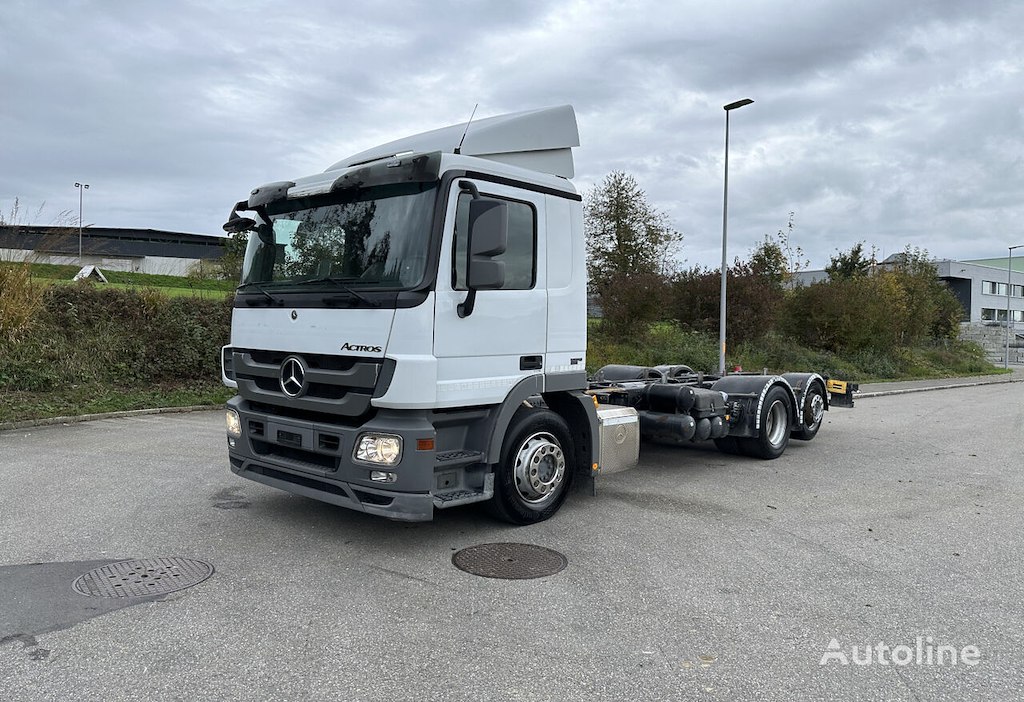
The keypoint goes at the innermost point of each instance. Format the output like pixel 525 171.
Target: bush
pixel 20 300
pixel 631 302
pixel 83 333
pixel 659 344
pixel 754 301
pixel 903 307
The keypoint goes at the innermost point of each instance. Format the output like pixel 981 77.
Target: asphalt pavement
pixel 695 576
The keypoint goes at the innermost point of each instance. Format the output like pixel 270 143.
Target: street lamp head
pixel 737 104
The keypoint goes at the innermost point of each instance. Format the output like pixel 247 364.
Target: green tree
pixel 768 260
pixel 631 252
pixel 901 305
pixel 755 293
pixel 781 246
pixel 234 255
pixel 932 311
pixel 851 264
pixel 625 233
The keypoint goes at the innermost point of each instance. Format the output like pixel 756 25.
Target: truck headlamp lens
pixel 383 449
pixel 234 423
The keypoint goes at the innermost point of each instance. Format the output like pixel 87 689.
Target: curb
pixel 49 421
pixel 906 391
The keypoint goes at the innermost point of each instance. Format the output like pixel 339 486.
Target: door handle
pixel 531 362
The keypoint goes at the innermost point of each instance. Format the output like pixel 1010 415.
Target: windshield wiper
pixel 258 288
pixel 343 284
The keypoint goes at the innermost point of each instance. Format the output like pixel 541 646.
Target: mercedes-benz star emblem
pixel 293 376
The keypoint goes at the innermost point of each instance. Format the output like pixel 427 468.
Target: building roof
pixel 1018 262
pixel 112 241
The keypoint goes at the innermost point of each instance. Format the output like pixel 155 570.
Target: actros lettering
pixel 359 347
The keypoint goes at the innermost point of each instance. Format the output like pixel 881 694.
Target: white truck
pixel 410 334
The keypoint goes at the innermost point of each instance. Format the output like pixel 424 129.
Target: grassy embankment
pixel 152 341
pixel 666 343
pixel 138 342
pixel 170 285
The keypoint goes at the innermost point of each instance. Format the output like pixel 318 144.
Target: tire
pixel 727 444
pixel 536 469
pixel 776 420
pixel 814 413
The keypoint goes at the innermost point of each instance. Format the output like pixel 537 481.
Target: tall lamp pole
pixel 725 221
pixel 82 187
pixel 1009 289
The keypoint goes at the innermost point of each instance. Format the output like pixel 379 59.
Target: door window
pixel 520 256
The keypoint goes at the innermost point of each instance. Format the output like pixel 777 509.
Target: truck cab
pixel 410 329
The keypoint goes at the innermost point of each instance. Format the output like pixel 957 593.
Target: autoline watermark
pixel 924 652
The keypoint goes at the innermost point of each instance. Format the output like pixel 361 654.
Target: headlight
pixel 234 423
pixel 382 449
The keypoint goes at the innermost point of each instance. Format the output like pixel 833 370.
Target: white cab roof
pixel 539 140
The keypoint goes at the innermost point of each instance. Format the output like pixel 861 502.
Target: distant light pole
pixel 725 220
pixel 82 187
pixel 1009 289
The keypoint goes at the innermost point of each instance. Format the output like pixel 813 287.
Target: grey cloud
pixel 888 122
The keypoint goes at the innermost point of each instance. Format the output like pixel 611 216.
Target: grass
pixel 97 398
pixel 172 285
pixel 203 292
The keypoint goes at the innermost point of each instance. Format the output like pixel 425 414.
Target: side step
pixel 454 459
pixel 462 496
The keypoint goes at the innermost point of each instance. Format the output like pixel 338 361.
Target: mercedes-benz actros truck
pixel 410 334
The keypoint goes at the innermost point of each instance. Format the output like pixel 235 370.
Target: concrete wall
pixel 160 265
pixel 992 338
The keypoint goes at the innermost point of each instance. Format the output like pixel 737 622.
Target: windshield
pixel 363 238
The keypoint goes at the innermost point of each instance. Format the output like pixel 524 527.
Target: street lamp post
pixel 1009 289
pixel 725 220
pixel 82 187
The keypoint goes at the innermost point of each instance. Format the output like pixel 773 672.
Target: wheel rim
pixel 815 411
pixel 539 468
pixel 776 424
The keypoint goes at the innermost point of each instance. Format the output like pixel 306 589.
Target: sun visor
pixel 409 168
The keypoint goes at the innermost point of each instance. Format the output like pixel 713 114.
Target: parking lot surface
pixel 694 576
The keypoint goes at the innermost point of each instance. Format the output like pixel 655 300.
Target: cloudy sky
pixel 892 122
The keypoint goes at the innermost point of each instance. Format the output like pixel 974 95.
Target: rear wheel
pixel 814 413
pixel 536 468
pixel 776 420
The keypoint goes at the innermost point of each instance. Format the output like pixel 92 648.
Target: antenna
pixel 458 149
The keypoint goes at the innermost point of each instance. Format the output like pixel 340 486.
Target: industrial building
pixel 110 248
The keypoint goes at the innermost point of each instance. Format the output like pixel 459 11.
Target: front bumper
pixel 314 459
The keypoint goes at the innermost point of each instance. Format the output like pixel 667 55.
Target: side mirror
pixel 237 225
pixel 488 237
pixel 488 227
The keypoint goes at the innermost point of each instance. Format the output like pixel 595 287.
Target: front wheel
pixel 773 438
pixel 536 469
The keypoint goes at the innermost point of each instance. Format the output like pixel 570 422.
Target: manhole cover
pixel 142 576
pixel 509 561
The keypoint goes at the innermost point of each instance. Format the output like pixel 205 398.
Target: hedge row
pixel 84 333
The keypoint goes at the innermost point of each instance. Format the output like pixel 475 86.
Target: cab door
pixel 482 356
